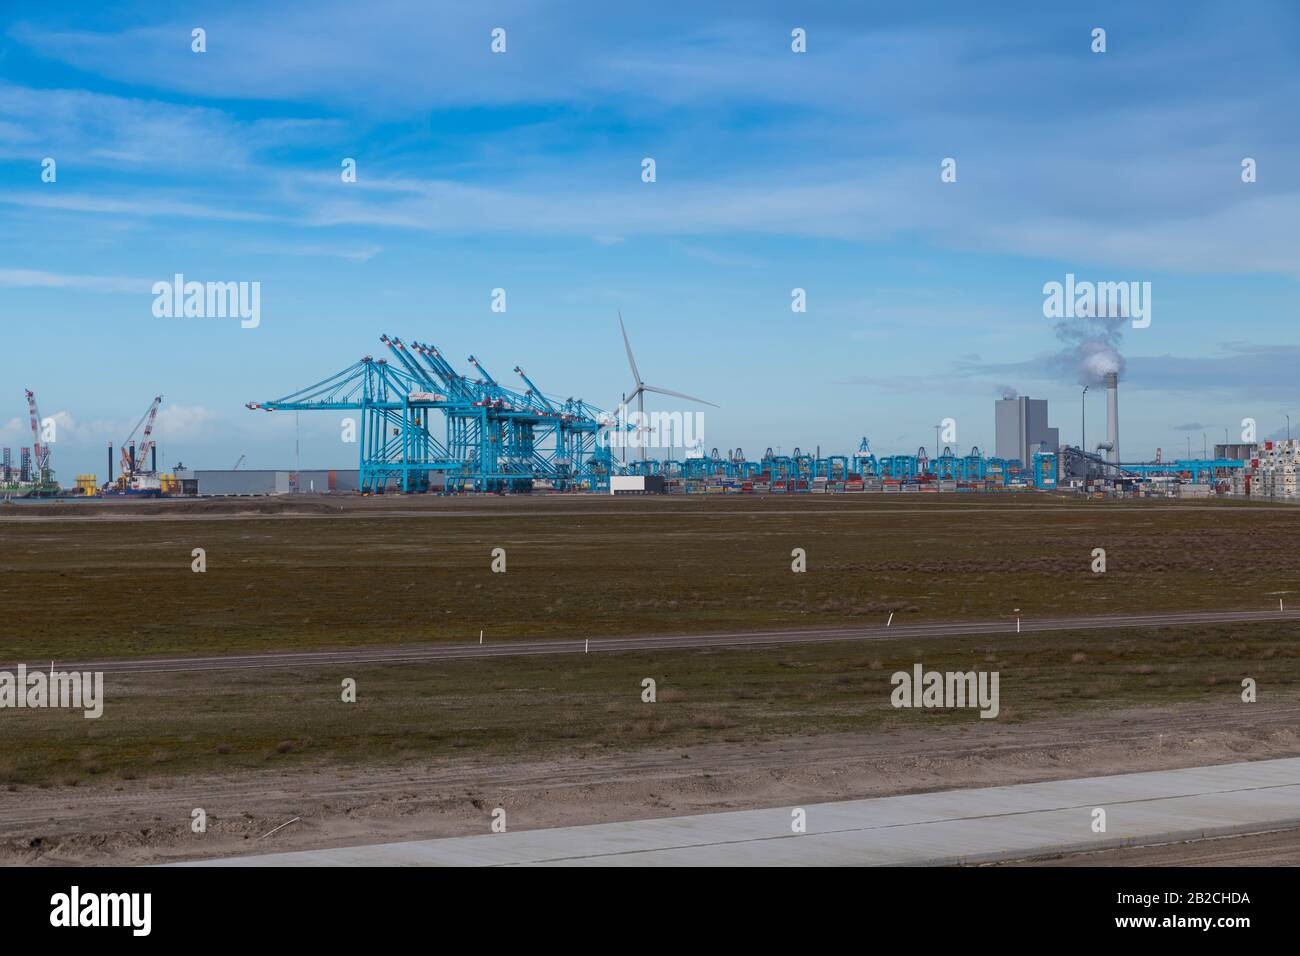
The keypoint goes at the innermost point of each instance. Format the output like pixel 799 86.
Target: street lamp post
pixel 1083 437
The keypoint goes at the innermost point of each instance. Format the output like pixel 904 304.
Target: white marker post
pixel 891 619
pixel 279 828
pixel 1017 610
pixel 586 647
pixel 480 637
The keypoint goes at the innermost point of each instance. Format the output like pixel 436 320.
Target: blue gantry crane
pixel 492 437
pixel 423 424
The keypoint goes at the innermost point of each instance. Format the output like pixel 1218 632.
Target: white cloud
pixel 148 202
pixel 341 249
pixel 80 128
pixel 176 422
pixel 14 431
pixel 37 279
pixel 187 422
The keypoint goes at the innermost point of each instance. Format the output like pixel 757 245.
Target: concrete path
pixel 949 827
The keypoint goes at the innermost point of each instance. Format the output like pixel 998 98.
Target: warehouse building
pixel 258 482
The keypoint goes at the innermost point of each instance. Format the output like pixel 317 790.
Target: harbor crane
pixel 40 451
pixel 133 457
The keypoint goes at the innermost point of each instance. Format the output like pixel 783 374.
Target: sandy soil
pixel 1278 848
pixel 133 822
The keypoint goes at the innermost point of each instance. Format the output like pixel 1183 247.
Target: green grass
pixel 401 571
pixel 160 725
pixel 417 570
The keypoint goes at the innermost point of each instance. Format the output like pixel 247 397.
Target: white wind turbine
pixel 641 387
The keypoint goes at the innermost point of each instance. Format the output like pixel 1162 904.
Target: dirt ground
pixel 429 752
pixel 98 824
pixel 1278 848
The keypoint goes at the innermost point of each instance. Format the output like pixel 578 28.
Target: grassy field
pixel 83 581
pixel 160 725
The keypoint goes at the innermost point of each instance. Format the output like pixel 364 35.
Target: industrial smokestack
pixel 1112 417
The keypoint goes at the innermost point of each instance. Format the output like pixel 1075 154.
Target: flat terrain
pixel 113 820
pixel 430 749
pixel 1280 848
pixel 431 746
pixel 163 724
pixel 89 581
pixel 944 828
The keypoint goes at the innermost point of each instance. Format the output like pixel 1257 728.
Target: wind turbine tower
pixel 641 387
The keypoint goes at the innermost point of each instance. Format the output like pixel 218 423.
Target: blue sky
pixel 522 171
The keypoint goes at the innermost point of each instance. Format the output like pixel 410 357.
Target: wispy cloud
pixel 145 203
pixel 774 170
pixel 342 249
pixel 36 279
pixel 88 129
pixel 722 259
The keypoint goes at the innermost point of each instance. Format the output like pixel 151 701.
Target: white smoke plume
pixel 1089 348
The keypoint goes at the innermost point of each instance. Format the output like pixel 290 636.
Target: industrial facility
pixel 139 465
pixel 494 438
pixel 252 481
pixel 33 476
pixel 424 427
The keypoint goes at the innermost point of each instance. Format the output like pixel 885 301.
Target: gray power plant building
pixel 1022 429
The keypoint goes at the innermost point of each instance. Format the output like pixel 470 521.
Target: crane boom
pixel 146 441
pixel 535 391
pixel 130 466
pixel 40 453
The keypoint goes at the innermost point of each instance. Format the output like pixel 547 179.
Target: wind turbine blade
pixel 628 345
pixel 689 398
